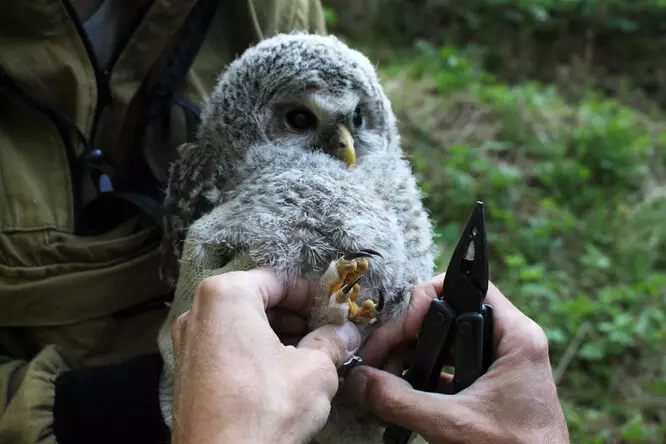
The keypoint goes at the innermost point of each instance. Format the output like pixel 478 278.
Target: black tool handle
pixel 432 340
pixel 426 367
pixel 469 349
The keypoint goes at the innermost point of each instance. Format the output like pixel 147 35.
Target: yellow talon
pixel 368 310
pixel 345 267
pixel 355 293
pixel 345 287
pixel 353 309
pixel 340 297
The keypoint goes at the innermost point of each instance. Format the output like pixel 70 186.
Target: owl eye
pixel 357 118
pixel 301 119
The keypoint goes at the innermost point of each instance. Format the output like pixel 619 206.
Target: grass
pixel 575 194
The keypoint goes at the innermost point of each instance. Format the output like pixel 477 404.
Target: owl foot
pixel 344 275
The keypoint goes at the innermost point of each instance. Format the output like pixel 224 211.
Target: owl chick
pixel 297 166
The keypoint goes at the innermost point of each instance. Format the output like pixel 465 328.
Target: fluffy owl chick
pixel 297 166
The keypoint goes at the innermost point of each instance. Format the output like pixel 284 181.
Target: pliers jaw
pixel 466 281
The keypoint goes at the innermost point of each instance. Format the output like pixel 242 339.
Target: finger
pixel 275 293
pixel 337 342
pixel 511 326
pixel 404 328
pixel 177 333
pixel 394 401
pixel 260 288
pixel 286 322
pixel 446 384
pixel 502 307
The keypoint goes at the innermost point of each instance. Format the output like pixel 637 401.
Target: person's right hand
pixel 235 381
pixel 515 401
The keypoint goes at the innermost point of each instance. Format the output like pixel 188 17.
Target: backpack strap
pixel 134 182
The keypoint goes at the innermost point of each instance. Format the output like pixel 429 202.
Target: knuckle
pixel 322 407
pixel 537 345
pixel 180 323
pixel 322 360
pixel 178 329
pixel 209 287
pixel 330 349
pixel 216 286
pixel 321 374
pixel 379 397
pixel 289 408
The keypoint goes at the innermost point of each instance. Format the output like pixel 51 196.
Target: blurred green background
pixel 553 112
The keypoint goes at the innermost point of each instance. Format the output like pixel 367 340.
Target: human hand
pixel 235 381
pixel 515 401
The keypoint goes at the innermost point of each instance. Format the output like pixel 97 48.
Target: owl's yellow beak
pixel 346 141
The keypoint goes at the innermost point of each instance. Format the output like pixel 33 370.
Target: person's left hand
pixel 235 381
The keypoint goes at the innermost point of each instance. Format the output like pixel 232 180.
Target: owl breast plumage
pixel 298 162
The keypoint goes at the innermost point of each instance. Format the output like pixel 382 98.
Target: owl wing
pixel 185 201
pixel 394 182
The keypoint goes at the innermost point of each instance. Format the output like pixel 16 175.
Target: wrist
pixel 200 418
pixel 244 424
pixel 206 432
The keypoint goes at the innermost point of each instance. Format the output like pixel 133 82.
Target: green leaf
pixel 330 16
pixel 621 337
pixel 531 273
pixel 555 335
pixel 591 352
pixel 515 260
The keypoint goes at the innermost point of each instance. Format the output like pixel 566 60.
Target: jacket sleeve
pixel 296 15
pixel 50 400
pixel 27 393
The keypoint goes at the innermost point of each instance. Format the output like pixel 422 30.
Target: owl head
pixel 299 92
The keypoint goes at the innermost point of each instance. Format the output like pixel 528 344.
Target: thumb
pixel 339 342
pixel 394 401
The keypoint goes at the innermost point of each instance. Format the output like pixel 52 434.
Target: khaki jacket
pixel 71 298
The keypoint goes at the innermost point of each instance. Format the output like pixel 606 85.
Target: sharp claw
pixel 348 287
pixel 354 255
pixel 380 303
pixel 351 268
pixel 361 253
pixel 371 252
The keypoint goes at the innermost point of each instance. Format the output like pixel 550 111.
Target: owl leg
pixel 341 280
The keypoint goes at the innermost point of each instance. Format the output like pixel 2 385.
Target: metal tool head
pixel 349 364
pixel 469 265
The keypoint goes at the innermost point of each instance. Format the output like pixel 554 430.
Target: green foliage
pixel 607 43
pixel 548 111
pixel 330 17
pixel 625 17
pixel 576 208
pixel 609 15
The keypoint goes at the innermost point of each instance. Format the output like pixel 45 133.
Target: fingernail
pixel 350 336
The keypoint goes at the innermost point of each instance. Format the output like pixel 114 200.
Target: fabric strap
pixel 134 181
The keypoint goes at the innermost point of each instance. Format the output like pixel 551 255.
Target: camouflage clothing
pixel 78 275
